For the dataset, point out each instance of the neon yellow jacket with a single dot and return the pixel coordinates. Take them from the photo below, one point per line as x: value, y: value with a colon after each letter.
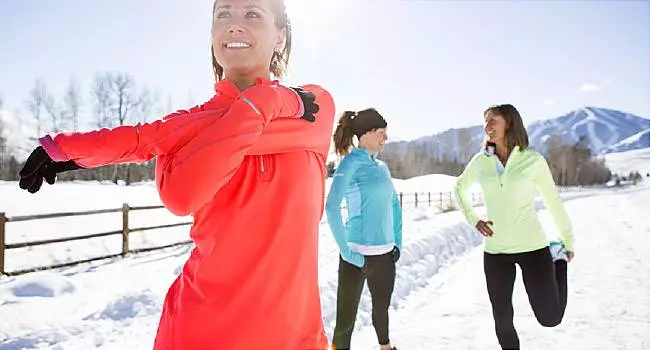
x: 509, y: 197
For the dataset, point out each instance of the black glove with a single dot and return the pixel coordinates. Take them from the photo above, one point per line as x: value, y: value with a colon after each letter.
x: 396, y: 254
x: 309, y: 101
x: 40, y: 166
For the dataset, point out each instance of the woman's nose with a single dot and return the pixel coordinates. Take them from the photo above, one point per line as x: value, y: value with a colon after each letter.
x: 235, y: 28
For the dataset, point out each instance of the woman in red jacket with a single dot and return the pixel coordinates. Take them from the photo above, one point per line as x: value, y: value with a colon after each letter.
x: 249, y: 166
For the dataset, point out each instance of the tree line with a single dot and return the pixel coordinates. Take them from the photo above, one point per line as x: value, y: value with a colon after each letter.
x: 113, y: 99
x: 571, y: 164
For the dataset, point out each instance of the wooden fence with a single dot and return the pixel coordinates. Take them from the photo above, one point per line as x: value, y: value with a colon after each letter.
x: 442, y: 199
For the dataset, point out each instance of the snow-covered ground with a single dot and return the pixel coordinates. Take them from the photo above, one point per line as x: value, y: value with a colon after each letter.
x: 84, y: 196
x: 439, y: 300
x: 625, y: 162
x: 609, y: 289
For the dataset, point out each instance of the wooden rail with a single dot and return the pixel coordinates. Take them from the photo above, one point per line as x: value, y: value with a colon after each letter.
x: 442, y: 199
x: 124, y: 232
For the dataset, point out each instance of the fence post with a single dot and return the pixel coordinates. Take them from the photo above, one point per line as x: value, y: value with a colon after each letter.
x: 429, y: 198
x: 3, y: 221
x: 416, y: 199
x: 440, y: 193
x: 125, y: 228
x: 400, y: 200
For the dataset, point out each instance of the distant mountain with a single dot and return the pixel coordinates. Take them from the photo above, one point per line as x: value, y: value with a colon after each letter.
x: 603, y: 127
x: 607, y: 131
x: 636, y: 141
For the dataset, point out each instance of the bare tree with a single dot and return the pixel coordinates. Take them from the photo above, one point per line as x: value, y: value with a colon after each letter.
x: 72, y: 106
x: 101, y: 99
x: 54, y: 111
x: 3, y: 147
x: 574, y: 164
x: 465, y: 144
x: 117, y: 101
x: 35, y: 103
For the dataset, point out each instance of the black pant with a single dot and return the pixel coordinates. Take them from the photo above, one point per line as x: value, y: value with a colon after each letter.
x: 546, y: 286
x: 380, y: 272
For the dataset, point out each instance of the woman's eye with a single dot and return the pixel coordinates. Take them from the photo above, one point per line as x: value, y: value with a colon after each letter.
x: 253, y: 14
x: 223, y: 14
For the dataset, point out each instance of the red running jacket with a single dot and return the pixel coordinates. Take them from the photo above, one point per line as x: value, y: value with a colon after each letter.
x: 252, y: 175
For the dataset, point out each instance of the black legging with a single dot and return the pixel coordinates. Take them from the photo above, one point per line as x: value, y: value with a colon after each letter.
x: 546, y: 286
x: 381, y: 279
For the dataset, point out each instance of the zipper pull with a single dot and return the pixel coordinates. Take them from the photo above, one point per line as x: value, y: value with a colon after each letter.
x: 262, y: 163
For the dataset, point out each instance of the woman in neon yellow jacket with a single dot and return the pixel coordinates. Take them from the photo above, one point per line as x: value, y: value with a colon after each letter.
x: 509, y: 173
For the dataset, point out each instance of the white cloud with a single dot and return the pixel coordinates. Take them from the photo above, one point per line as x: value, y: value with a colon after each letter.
x: 549, y: 102
x: 588, y: 87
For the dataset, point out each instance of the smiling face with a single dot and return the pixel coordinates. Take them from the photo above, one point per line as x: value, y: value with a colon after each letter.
x: 495, y: 127
x: 374, y: 140
x: 245, y: 36
x: 505, y: 127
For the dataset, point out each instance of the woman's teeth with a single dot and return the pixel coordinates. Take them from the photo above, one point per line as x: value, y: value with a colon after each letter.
x: 238, y: 45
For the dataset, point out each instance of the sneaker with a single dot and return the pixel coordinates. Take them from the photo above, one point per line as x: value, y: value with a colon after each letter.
x: 558, y: 252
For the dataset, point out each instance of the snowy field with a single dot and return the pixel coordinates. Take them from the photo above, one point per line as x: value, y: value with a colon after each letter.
x: 625, y: 162
x: 84, y: 196
x: 609, y: 289
x: 439, y: 300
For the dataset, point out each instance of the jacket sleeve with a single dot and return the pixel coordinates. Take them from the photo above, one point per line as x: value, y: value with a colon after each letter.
x: 552, y: 201
x: 397, y: 221
x: 461, y: 190
x: 127, y: 144
x: 188, y: 178
x: 397, y: 212
x: 295, y: 134
x: 340, y: 182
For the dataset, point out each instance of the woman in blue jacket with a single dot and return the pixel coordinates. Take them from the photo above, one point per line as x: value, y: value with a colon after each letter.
x: 371, y: 240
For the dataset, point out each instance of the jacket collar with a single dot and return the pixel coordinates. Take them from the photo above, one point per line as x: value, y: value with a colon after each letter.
x: 228, y: 89
x: 365, y: 152
x: 490, y: 150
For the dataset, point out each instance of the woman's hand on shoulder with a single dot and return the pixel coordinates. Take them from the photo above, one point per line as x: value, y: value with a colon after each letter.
x: 484, y: 228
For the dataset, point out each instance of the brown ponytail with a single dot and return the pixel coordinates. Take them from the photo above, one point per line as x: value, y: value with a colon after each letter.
x: 343, y: 134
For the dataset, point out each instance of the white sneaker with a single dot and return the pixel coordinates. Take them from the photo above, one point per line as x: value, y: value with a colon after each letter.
x: 558, y: 252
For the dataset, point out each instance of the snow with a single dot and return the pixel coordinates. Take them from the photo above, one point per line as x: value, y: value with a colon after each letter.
x: 439, y: 299
x: 625, y: 162
x: 609, y: 292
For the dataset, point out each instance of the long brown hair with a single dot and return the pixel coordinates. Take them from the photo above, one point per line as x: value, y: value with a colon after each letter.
x: 516, y: 134
x: 279, y: 60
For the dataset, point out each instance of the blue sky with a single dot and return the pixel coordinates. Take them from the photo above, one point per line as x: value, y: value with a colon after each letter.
x: 426, y: 65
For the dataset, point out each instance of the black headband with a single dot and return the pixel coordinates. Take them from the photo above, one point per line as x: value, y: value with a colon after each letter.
x: 365, y: 122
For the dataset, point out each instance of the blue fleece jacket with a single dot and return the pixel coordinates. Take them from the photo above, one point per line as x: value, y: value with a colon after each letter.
x: 374, y: 224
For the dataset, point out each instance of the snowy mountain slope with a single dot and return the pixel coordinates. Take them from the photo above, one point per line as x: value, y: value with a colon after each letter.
x: 636, y: 141
x: 603, y: 127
